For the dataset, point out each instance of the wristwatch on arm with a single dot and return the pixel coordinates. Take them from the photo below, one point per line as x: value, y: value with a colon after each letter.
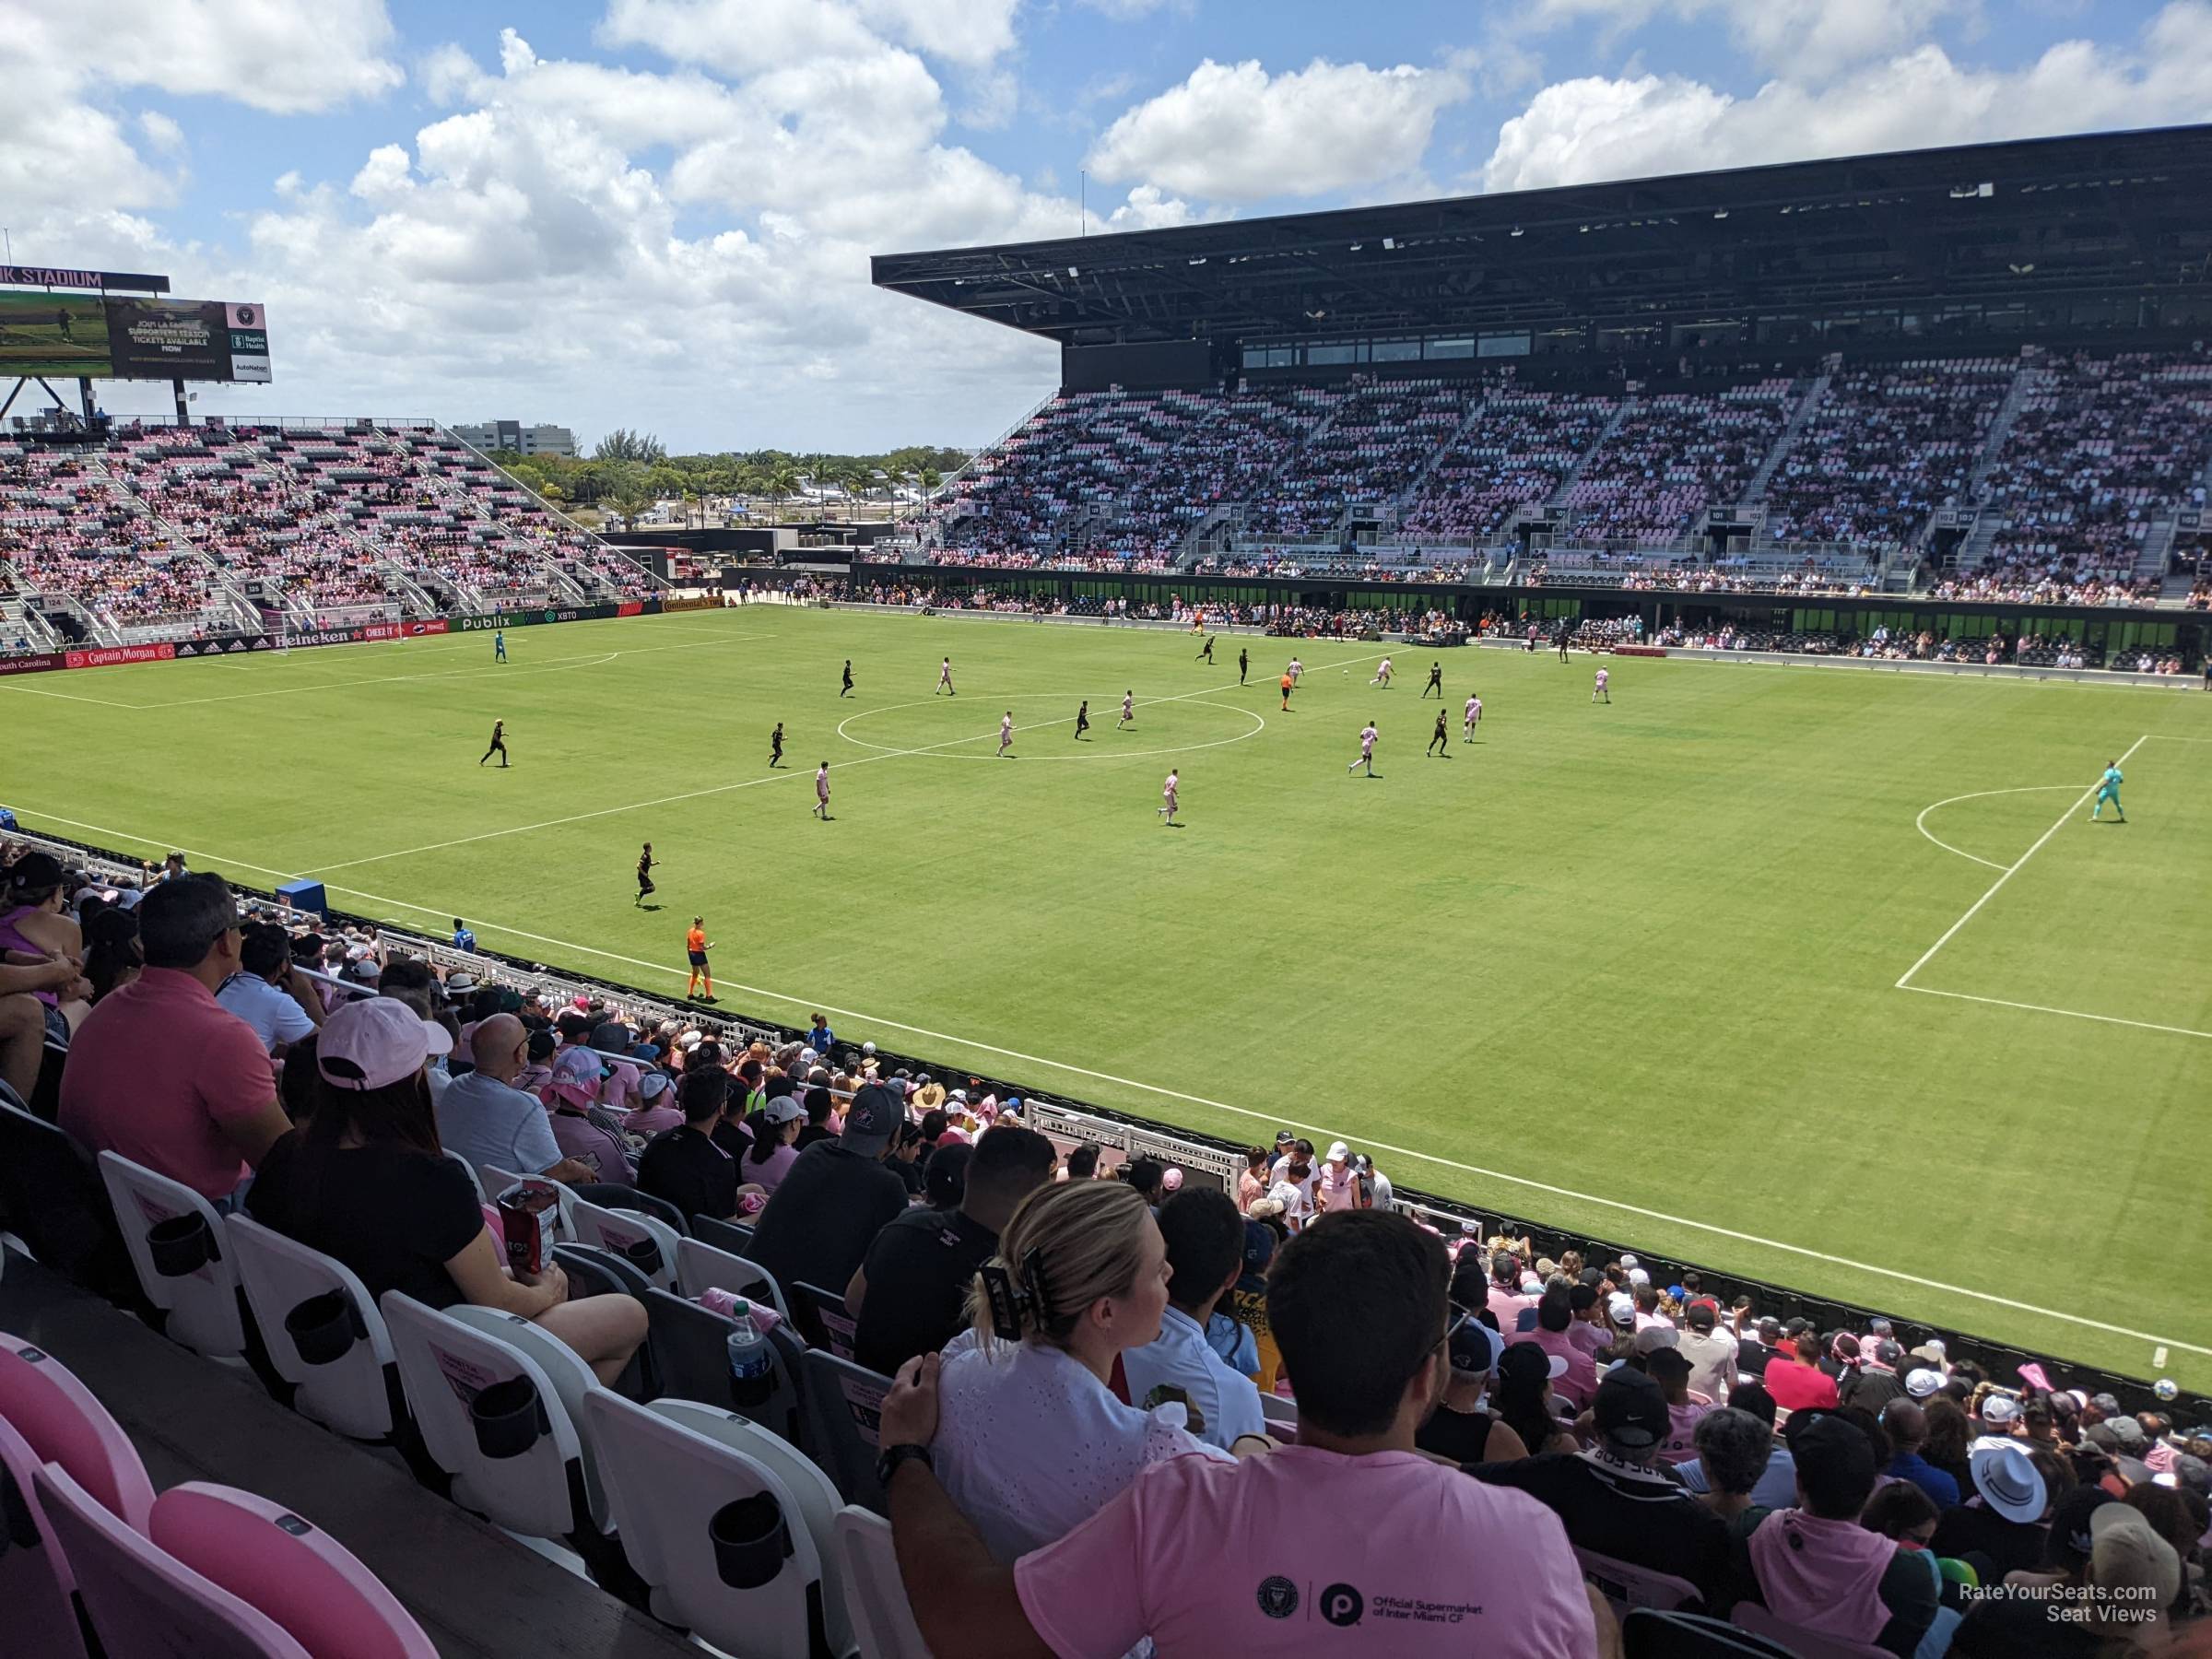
x: 886, y: 1463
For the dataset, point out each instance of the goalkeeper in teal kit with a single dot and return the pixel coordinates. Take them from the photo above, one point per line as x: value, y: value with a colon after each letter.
x: 2108, y: 789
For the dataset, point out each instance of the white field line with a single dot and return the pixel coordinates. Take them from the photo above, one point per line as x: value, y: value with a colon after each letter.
x: 1904, y: 981
x: 1800, y: 1251
x: 1921, y: 822
x: 1998, y: 1002
x: 778, y: 777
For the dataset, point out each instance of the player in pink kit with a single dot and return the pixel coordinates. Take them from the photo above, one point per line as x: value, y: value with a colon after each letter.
x: 1367, y: 750
x: 1472, y: 719
x: 1599, y: 690
x: 945, y: 677
x: 1128, y: 710
x: 1381, y: 676
x: 1005, y: 733
x: 822, y: 792
x: 1167, y: 795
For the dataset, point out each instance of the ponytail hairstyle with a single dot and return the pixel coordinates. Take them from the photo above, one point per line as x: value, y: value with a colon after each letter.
x: 1066, y: 1245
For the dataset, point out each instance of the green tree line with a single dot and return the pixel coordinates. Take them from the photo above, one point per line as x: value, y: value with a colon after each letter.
x: 628, y: 473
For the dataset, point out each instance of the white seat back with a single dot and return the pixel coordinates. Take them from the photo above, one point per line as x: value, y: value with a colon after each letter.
x: 883, y: 1619
x: 351, y: 1392
x: 564, y: 1368
x: 721, y: 1539
x: 627, y: 1233
x: 524, y: 1470
x: 181, y: 1257
x: 810, y: 1488
x: 703, y: 1267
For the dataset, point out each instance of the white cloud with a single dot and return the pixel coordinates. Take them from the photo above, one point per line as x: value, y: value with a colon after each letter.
x: 160, y: 131
x: 680, y: 250
x: 1807, y: 37
x: 1233, y: 133
x: 1598, y: 128
x: 743, y: 37
x: 285, y: 57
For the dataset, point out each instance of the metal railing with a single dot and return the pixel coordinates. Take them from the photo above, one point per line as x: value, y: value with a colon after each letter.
x: 1132, y: 1136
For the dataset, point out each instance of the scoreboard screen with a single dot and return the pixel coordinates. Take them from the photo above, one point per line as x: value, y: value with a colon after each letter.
x: 108, y: 337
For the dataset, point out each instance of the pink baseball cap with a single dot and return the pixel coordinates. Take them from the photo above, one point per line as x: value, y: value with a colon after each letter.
x: 375, y: 1043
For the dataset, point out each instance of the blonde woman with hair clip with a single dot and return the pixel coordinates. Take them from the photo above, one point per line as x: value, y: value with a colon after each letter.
x: 1032, y: 1441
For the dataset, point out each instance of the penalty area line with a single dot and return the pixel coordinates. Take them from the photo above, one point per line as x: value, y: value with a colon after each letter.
x: 1904, y: 981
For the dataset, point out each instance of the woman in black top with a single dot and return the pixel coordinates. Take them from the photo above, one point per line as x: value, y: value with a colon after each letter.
x: 365, y: 1182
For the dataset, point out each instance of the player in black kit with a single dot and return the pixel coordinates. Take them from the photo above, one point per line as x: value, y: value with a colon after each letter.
x: 645, y: 886
x: 1082, y: 720
x: 848, y: 688
x: 499, y: 744
x: 775, y: 746
x: 1436, y: 681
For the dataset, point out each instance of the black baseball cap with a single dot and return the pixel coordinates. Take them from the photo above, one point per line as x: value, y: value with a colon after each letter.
x: 1631, y: 1409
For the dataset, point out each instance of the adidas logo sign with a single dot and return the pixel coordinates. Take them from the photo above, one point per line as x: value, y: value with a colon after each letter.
x: 261, y: 644
x: 235, y: 646
x: 188, y: 651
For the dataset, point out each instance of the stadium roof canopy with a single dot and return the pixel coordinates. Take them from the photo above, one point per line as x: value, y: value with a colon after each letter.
x: 2102, y: 214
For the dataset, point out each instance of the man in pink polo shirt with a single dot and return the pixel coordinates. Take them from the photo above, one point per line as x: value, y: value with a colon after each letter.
x: 161, y: 1072
x: 1349, y: 1542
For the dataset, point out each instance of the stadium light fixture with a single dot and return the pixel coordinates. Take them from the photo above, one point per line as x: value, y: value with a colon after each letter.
x: 1516, y: 230
x: 1720, y: 213
x: 1389, y: 244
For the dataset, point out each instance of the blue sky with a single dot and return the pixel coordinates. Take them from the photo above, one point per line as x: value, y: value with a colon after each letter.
x: 658, y: 213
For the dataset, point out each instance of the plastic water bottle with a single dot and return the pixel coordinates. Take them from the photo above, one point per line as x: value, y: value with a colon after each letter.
x: 752, y: 1371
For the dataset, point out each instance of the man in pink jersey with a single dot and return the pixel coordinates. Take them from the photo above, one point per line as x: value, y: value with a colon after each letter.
x: 944, y: 678
x: 1005, y: 733
x: 822, y: 792
x: 1128, y: 710
x: 1472, y: 719
x: 1598, y: 690
x: 1167, y: 794
x: 1350, y: 1541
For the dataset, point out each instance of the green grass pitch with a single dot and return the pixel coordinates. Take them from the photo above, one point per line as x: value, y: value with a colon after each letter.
x: 1632, y: 970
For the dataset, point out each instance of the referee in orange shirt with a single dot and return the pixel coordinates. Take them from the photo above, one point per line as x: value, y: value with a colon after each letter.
x: 695, y: 947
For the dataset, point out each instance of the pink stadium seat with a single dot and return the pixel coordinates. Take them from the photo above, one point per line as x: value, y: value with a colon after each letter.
x: 142, y: 1602
x: 61, y: 1423
x: 35, y: 1582
x: 302, y: 1578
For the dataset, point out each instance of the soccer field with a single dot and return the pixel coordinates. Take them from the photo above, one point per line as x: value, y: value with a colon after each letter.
x: 1814, y: 974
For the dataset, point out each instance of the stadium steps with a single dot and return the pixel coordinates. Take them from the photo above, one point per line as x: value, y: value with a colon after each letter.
x: 448, y: 488
x: 1558, y: 497
x: 2027, y: 380
x: 1399, y: 503
x: 222, y: 589
x: 605, y: 549
x: 2156, y: 544
x: 19, y: 622
x: 1786, y: 438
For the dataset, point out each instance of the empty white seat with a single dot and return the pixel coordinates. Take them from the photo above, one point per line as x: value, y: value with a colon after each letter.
x: 714, y: 1528
x: 883, y: 1619
x: 647, y: 1242
x: 701, y: 1267
x: 323, y: 1334
x: 177, y: 1244
x: 492, y: 1419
